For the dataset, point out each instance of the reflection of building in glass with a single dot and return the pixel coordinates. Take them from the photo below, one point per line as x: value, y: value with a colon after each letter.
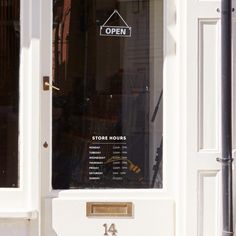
x: 9, y: 96
x: 61, y: 24
x: 104, y: 86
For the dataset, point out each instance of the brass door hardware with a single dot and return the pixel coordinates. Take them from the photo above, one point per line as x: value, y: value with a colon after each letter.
x: 109, y: 209
x: 45, y: 145
x: 47, y: 85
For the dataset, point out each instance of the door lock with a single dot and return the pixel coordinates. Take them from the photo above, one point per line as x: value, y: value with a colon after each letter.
x: 45, y: 145
x: 47, y: 85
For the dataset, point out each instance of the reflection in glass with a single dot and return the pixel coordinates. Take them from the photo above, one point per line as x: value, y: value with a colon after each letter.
x: 9, y: 95
x: 107, y: 116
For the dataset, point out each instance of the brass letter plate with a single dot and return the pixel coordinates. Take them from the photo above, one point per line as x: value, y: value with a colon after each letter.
x: 109, y: 209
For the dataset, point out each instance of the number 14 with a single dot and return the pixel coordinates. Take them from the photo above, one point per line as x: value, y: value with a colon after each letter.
x: 111, y: 230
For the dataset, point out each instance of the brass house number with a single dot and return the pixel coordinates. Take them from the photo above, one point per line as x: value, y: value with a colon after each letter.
x: 110, y: 230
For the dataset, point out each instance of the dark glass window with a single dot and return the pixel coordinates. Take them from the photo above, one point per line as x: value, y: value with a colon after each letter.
x: 9, y: 91
x: 107, y: 116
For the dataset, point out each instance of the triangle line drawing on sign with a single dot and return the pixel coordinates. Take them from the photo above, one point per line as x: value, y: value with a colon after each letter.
x: 115, y: 12
x: 118, y: 31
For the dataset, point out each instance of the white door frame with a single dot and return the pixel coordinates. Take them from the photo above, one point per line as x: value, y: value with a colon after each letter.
x: 171, y: 124
x: 186, y: 174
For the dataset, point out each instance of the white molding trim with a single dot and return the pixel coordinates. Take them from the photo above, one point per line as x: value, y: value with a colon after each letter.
x: 24, y: 215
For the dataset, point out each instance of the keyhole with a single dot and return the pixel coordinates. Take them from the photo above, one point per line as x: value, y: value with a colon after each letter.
x: 45, y: 145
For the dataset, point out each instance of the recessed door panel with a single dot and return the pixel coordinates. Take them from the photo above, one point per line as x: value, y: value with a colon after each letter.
x: 159, y: 219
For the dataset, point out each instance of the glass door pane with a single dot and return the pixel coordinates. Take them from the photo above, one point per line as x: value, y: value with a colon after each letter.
x: 9, y: 91
x: 107, y: 115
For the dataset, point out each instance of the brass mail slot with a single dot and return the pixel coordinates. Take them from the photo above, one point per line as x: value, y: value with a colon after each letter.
x: 109, y: 209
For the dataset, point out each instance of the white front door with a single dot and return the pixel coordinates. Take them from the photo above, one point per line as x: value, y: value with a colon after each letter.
x: 203, y: 126
x: 107, y: 167
x: 128, y: 144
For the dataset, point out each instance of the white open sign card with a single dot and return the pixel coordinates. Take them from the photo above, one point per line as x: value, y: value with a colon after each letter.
x: 118, y: 31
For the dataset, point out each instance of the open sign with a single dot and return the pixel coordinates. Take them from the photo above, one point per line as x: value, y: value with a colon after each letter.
x: 120, y: 31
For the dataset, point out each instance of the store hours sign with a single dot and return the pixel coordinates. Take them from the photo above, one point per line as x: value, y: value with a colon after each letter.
x: 118, y: 31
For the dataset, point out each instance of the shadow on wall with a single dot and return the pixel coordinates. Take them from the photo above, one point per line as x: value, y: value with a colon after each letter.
x: 15, y: 227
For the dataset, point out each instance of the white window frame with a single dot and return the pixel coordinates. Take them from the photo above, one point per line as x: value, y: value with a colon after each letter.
x: 22, y: 202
